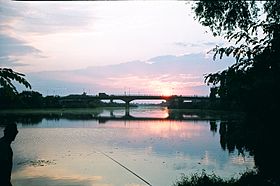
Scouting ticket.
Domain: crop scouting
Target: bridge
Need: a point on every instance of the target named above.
(173, 99)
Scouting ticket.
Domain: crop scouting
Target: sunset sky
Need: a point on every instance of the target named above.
(137, 47)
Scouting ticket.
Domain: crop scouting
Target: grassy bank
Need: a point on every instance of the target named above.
(251, 178)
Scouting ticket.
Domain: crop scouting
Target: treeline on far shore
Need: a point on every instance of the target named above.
(33, 99)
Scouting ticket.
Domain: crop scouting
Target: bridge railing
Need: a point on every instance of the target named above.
(148, 95)
(133, 95)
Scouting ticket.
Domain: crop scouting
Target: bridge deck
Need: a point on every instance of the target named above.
(136, 97)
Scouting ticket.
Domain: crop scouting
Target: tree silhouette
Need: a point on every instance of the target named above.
(254, 27)
(7, 76)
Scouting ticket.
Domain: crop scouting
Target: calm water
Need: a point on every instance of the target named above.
(78, 152)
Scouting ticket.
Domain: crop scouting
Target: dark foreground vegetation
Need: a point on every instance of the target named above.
(252, 29)
(247, 179)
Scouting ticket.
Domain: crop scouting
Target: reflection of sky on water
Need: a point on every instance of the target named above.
(148, 111)
(159, 151)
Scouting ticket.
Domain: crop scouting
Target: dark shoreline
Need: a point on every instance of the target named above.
(94, 113)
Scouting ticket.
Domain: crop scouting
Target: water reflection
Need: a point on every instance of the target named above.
(250, 136)
(156, 143)
(110, 114)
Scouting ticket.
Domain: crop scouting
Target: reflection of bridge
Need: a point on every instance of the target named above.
(128, 98)
(104, 119)
(33, 118)
(103, 116)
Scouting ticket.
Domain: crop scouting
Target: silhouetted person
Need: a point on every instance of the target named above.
(6, 154)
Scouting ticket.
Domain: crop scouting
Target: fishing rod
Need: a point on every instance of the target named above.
(126, 168)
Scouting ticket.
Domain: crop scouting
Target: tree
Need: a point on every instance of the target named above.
(254, 80)
(31, 99)
(7, 76)
(8, 92)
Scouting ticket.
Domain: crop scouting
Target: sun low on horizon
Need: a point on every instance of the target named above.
(166, 92)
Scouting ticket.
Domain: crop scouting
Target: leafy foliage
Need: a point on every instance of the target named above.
(7, 76)
(254, 27)
(201, 180)
(246, 179)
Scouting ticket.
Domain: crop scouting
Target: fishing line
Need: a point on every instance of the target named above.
(125, 168)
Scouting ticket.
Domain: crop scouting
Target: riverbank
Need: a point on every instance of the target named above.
(117, 113)
(249, 178)
(217, 113)
(57, 110)
(209, 114)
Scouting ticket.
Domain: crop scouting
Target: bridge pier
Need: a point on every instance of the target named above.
(127, 100)
(126, 104)
(127, 108)
(112, 113)
(127, 112)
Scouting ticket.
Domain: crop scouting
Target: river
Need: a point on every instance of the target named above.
(112, 148)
